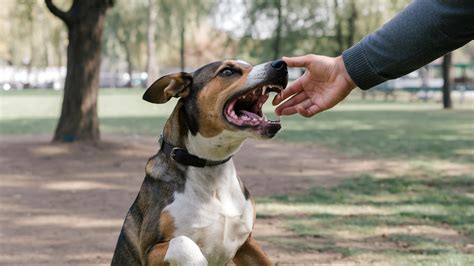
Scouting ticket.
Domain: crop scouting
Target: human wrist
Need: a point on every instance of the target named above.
(342, 71)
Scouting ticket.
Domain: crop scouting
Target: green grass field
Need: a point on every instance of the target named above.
(394, 129)
(412, 216)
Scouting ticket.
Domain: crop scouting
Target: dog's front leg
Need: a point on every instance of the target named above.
(250, 253)
(180, 250)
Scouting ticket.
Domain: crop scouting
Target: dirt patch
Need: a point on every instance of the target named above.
(65, 203)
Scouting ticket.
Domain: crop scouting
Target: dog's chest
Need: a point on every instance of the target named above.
(219, 219)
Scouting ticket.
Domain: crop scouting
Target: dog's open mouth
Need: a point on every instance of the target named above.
(245, 110)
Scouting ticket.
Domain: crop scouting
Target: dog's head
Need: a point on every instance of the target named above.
(224, 96)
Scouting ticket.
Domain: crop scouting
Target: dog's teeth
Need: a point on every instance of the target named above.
(263, 90)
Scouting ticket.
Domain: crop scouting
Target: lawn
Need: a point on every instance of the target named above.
(419, 216)
(405, 220)
(420, 131)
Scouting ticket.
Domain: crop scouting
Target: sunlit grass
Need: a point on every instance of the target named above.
(362, 128)
(401, 218)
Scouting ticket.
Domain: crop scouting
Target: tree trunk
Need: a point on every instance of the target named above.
(85, 22)
(128, 58)
(339, 40)
(182, 47)
(129, 69)
(151, 64)
(351, 26)
(447, 103)
(276, 45)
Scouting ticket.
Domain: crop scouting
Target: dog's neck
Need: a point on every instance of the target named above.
(217, 148)
(205, 181)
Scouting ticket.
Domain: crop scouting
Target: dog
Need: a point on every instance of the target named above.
(192, 208)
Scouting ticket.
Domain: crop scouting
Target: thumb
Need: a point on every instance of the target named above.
(299, 61)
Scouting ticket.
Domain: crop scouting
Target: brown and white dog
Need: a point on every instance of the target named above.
(192, 208)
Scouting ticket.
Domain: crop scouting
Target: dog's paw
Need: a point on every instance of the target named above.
(184, 252)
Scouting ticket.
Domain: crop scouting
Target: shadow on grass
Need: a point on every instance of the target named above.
(426, 217)
(452, 194)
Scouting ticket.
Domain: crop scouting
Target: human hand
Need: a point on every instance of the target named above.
(324, 84)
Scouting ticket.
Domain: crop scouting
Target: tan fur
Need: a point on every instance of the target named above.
(250, 253)
(156, 256)
(174, 132)
(218, 91)
(167, 227)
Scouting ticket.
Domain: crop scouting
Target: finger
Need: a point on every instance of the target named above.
(288, 111)
(293, 88)
(307, 108)
(299, 61)
(308, 112)
(298, 101)
(295, 100)
(300, 108)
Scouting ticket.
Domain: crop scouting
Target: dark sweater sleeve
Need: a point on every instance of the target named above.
(422, 32)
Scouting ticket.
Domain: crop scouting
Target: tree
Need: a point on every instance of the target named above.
(351, 23)
(338, 27)
(175, 20)
(276, 46)
(272, 12)
(84, 22)
(447, 103)
(151, 65)
(125, 36)
(25, 12)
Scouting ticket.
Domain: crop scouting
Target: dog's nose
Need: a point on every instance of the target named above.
(278, 64)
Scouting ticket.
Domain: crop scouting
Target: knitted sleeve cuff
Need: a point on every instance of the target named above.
(359, 68)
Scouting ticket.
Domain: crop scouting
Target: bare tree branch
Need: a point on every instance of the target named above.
(64, 16)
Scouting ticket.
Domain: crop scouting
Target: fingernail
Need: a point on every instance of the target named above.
(276, 100)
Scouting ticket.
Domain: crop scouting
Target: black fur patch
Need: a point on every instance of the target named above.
(246, 193)
(201, 77)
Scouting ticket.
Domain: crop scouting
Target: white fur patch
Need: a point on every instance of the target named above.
(243, 62)
(256, 75)
(184, 252)
(213, 212)
(216, 148)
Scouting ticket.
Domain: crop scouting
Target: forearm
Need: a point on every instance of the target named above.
(424, 31)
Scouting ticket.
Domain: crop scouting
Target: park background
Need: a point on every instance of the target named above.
(384, 178)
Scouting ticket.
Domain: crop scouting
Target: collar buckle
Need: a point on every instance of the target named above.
(174, 151)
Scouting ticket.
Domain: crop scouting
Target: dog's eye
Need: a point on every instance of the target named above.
(226, 72)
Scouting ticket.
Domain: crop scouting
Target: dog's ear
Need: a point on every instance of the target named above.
(174, 85)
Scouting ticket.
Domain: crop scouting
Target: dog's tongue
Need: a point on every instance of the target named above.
(250, 114)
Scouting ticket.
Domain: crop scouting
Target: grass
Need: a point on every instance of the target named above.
(424, 217)
(390, 129)
(120, 112)
(404, 218)
(435, 133)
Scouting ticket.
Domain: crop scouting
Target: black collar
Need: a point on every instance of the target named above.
(182, 156)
